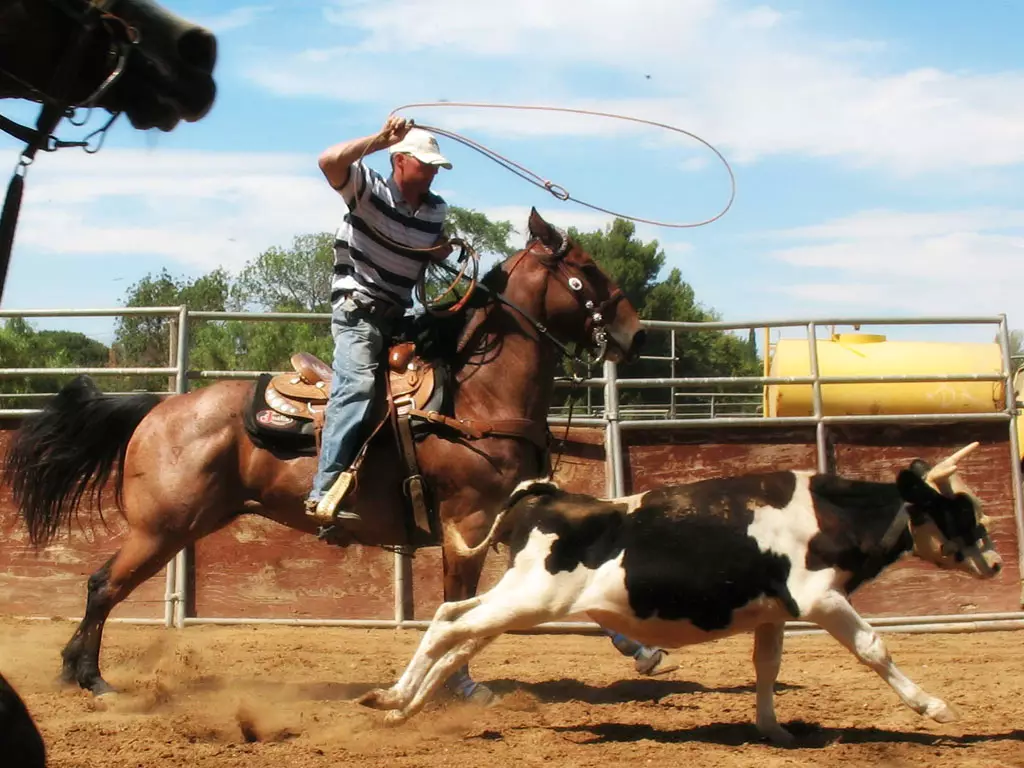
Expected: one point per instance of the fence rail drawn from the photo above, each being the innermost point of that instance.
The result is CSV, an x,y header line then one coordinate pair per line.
x,y
721,410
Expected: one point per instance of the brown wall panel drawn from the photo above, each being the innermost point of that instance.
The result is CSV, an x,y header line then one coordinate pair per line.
x,y
256,568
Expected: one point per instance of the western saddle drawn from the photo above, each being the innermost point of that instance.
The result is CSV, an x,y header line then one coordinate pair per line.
x,y
415,395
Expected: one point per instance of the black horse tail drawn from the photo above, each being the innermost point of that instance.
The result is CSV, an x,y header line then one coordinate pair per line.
x,y
70,450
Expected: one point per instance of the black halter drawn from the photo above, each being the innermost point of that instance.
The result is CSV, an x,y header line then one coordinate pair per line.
x,y
57,105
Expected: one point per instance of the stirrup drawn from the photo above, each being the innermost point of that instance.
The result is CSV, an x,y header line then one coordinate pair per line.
x,y
327,508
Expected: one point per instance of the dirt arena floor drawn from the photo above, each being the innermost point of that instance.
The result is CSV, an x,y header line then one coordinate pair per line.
x,y
276,697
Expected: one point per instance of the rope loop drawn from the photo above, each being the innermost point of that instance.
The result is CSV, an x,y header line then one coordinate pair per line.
x,y
557,190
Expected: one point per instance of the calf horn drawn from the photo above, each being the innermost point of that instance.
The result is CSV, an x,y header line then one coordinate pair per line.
x,y
947,467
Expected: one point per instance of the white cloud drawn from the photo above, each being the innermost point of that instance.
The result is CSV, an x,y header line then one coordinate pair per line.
x,y
201,209
236,18
939,263
749,78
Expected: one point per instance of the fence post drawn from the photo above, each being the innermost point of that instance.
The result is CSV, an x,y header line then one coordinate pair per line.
x,y
820,433
672,373
170,590
405,599
1015,468
183,585
614,473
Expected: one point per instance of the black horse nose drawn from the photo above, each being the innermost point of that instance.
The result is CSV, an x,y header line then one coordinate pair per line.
x,y
198,48
638,342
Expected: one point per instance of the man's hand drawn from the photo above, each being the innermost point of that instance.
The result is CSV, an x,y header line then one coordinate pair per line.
x,y
336,161
394,130
442,250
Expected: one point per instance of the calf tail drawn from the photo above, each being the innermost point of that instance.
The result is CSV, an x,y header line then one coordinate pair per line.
x,y
465,551
540,487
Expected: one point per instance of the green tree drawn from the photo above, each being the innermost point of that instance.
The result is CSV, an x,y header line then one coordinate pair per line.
x,y
22,346
488,238
141,340
295,279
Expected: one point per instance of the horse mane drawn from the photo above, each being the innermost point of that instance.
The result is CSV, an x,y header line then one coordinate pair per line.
x,y
437,337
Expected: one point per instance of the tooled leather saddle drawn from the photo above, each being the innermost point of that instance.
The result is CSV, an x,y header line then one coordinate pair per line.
x,y
287,413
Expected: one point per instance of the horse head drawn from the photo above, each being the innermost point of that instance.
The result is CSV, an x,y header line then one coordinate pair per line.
x,y
128,56
575,300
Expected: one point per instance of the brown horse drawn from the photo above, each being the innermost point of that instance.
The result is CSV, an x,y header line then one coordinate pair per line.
x,y
189,467
63,52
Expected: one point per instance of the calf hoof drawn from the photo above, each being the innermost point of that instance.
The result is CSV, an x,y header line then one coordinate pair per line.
x,y
395,717
777,735
941,712
379,698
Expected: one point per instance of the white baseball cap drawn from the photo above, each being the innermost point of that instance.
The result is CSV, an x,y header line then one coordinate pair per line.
x,y
421,145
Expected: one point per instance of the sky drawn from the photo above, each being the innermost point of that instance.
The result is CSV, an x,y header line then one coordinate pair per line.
x,y
878,147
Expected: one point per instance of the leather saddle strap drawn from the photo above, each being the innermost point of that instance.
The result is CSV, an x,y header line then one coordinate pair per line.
x,y
413,484
475,429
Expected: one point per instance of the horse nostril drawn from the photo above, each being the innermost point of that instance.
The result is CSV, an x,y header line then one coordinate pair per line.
x,y
198,48
638,342
997,567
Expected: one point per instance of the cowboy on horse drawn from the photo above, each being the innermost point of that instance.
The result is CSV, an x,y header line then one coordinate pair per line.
x,y
374,275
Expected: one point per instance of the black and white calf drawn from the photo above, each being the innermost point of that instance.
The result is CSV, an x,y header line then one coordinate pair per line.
x,y
695,562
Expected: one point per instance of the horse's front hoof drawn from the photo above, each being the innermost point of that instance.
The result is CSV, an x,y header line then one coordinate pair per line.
x,y
101,688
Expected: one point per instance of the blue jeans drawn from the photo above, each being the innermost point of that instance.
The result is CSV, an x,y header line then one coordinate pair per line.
x,y
359,336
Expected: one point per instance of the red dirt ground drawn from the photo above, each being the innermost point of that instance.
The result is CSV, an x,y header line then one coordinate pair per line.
x,y
270,697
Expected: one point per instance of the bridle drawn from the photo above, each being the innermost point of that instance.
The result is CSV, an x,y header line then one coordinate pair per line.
x,y
557,263
57,104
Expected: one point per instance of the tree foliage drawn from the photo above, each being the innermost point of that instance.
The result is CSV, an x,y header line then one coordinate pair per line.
x,y
22,346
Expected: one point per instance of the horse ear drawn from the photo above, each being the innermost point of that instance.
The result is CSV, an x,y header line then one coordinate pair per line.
x,y
543,231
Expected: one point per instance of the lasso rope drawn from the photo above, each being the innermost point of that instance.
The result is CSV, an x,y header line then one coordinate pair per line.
x,y
558,190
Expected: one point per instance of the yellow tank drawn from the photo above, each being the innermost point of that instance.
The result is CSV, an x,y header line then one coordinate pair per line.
x,y
862,354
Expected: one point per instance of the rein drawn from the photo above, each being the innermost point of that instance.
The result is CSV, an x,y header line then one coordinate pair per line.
x,y
56,106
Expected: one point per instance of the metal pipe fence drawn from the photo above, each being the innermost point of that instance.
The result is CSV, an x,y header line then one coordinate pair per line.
x,y
615,419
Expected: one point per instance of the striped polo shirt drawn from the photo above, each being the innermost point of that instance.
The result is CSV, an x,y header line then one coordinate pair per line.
x,y
366,262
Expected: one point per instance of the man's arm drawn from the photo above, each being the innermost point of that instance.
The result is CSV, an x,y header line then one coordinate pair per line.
x,y
336,162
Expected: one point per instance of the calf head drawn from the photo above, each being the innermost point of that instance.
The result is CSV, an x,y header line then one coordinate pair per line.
x,y
946,520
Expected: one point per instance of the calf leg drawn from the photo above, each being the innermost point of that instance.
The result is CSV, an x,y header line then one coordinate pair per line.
x,y
421,662
507,606
438,674
835,615
767,659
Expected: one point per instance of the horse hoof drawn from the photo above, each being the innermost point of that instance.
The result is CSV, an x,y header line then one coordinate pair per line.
x,y
654,663
481,696
102,689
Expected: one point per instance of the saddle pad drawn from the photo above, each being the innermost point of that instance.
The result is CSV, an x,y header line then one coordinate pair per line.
x,y
274,431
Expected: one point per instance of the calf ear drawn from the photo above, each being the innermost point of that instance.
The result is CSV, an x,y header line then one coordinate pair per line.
x,y
913,488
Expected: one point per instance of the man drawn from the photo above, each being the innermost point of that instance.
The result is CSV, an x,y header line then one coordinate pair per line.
x,y
380,252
